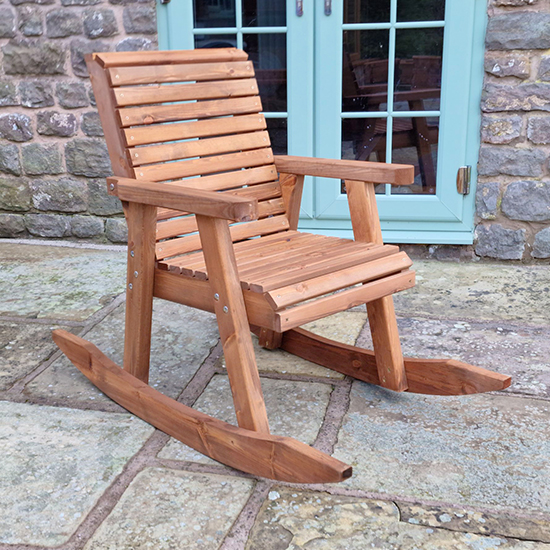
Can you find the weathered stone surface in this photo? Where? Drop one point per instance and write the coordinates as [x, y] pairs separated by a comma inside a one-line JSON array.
[[518, 31], [134, 44], [140, 20], [505, 64], [79, 48], [85, 227], [116, 230], [527, 201], [15, 127], [181, 340], [100, 23], [544, 69], [26, 57], [53, 123], [45, 493], [9, 159], [63, 195], [7, 23], [495, 241], [14, 194], [38, 159], [62, 23], [88, 157], [302, 420], [47, 225], [525, 97], [72, 95], [35, 94], [11, 225], [538, 130], [507, 160], [501, 129], [19, 2], [100, 202], [8, 94], [514, 2], [80, 2], [155, 512], [91, 125], [487, 198], [59, 282], [30, 21], [541, 246]]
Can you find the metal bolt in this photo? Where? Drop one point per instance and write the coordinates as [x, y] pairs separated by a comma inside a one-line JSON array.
[[136, 273], [216, 296], [112, 186], [225, 309], [130, 286], [132, 253]]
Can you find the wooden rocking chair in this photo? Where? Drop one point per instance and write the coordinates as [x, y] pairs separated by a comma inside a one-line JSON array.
[[193, 119]]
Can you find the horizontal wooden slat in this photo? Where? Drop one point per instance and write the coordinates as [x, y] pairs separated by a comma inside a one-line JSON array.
[[207, 165], [159, 133], [156, 74], [161, 93], [198, 148]]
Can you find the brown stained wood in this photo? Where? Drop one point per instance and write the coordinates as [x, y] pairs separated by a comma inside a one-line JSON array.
[[374, 172], [425, 376], [269, 339], [292, 187], [233, 325], [151, 114], [159, 93], [142, 221], [257, 453], [200, 72], [158, 133]]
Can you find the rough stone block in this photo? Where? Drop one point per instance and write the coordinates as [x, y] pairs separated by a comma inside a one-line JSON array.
[[487, 196], [14, 194], [15, 127], [62, 23], [85, 227], [134, 44], [99, 23], [116, 230], [35, 94], [38, 159], [11, 225], [53, 123], [501, 64], [80, 2], [63, 195], [72, 95], [9, 159], [79, 48], [524, 30], [541, 246], [42, 2], [48, 225], [527, 201], [500, 130], [8, 94], [140, 20], [538, 130], [495, 241], [515, 2], [525, 97], [27, 57], [544, 69], [91, 125], [88, 157], [31, 21], [100, 202], [7, 23], [513, 162]]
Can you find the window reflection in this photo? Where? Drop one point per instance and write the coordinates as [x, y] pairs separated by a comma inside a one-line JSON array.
[[264, 13], [214, 13]]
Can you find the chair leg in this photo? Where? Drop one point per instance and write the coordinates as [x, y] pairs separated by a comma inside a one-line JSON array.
[[269, 339]]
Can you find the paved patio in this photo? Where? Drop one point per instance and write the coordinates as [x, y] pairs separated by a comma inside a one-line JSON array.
[[78, 471]]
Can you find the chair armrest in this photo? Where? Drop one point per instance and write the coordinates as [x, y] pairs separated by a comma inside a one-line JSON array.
[[196, 201], [357, 170]]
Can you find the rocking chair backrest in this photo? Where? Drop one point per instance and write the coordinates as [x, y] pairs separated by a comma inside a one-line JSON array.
[[192, 119]]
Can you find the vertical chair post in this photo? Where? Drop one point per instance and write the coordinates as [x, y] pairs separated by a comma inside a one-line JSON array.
[[381, 312], [233, 324], [142, 221]]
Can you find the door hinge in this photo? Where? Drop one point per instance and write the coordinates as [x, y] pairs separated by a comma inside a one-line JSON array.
[[463, 177]]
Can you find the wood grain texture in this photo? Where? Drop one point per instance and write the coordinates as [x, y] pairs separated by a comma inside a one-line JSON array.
[[292, 187]]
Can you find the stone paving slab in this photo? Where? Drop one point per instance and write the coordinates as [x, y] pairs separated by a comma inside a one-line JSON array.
[[167, 510], [23, 347], [56, 463], [479, 450], [58, 282], [294, 409], [182, 338], [291, 519]]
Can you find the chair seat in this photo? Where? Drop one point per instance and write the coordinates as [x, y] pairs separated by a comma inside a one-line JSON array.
[[292, 266]]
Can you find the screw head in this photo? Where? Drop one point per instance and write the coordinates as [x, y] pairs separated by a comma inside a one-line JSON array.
[[225, 309], [136, 273], [132, 253], [112, 186], [216, 296], [130, 286]]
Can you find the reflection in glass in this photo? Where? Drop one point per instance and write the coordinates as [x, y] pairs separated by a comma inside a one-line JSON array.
[[264, 13], [215, 41], [366, 11], [214, 13], [268, 52], [277, 128], [420, 10], [414, 141], [365, 70]]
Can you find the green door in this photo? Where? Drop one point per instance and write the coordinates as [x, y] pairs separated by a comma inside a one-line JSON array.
[[384, 80]]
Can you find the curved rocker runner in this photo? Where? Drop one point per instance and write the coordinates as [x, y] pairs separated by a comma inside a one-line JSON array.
[[212, 223]]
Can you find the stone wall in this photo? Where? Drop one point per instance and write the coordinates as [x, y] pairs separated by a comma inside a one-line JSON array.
[[53, 159], [513, 194]]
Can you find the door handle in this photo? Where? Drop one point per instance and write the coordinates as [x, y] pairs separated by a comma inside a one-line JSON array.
[[328, 7], [299, 8]]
